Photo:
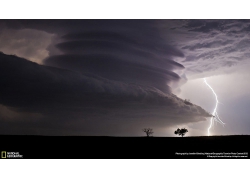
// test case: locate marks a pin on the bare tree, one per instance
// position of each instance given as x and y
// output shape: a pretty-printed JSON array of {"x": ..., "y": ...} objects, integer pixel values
[
  {"x": 181, "y": 132},
  {"x": 148, "y": 131}
]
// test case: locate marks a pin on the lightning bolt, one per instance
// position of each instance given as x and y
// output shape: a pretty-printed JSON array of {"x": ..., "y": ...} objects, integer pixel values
[{"x": 215, "y": 116}]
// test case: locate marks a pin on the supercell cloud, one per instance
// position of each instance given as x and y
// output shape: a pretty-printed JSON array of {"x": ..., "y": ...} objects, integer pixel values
[{"x": 94, "y": 77}]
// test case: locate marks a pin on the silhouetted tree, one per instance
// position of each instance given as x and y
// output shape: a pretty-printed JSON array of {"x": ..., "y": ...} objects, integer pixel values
[
  {"x": 181, "y": 132},
  {"x": 148, "y": 131}
]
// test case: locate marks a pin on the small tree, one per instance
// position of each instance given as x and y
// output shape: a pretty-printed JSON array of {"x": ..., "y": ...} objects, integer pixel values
[
  {"x": 181, "y": 132},
  {"x": 148, "y": 131}
]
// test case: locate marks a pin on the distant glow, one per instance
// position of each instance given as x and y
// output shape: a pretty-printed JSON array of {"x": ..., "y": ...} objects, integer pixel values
[{"x": 215, "y": 116}]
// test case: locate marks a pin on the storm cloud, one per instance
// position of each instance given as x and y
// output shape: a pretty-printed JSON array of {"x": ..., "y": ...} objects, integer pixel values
[
  {"x": 102, "y": 77},
  {"x": 213, "y": 47}
]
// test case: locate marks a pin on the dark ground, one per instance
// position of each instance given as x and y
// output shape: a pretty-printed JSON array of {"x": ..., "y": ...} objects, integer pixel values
[{"x": 79, "y": 147}]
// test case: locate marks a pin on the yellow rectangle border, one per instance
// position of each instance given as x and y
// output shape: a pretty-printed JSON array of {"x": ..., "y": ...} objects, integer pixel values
[{"x": 3, "y": 154}]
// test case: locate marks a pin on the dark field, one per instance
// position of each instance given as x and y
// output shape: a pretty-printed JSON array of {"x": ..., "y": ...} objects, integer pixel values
[{"x": 82, "y": 147}]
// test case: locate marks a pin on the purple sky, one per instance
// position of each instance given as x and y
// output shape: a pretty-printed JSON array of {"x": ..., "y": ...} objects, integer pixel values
[{"x": 115, "y": 77}]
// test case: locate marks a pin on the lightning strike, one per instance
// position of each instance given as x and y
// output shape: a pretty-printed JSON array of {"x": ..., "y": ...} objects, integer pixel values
[{"x": 215, "y": 116}]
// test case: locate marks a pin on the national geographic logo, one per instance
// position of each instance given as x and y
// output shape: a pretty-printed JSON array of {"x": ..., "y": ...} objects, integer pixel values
[{"x": 5, "y": 155}]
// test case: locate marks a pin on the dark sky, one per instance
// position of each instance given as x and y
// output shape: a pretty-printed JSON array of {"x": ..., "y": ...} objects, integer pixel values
[{"x": 115, "y": 77}]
